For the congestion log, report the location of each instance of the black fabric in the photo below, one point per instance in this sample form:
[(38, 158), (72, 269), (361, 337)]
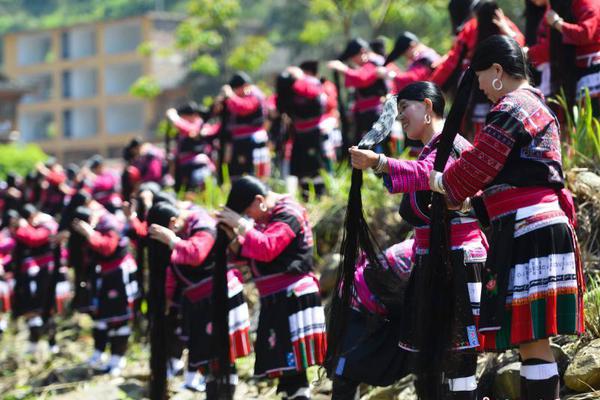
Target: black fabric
[(364, 122), (289, 384), (100, 339), (35, 333), (26, 299), (387, 287), (344, 389), (273, 345), (112, 301), (174, 321), (242, 160), (465, 333), (370, 352), (543, 389), (307, 154), (196, 331), (118, 345)]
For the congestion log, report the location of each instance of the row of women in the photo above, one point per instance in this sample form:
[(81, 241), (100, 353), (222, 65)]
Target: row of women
[(306, 121), (465, 292)]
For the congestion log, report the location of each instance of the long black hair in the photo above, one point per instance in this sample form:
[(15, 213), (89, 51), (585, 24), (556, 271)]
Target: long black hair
[(533, 17), (357, 237), (485, 13), (435, 326), (460, 11), (159, 255), (563, 71)]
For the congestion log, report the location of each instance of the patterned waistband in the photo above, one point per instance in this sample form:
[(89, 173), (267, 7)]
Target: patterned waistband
[(460, 235), (204, 288), (305, 125), (43, 261), (588, 60), (109, 266), (510, 200), (275, 283)]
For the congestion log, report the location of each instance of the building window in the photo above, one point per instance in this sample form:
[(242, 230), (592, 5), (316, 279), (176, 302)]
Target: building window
[(81, 122), (118, 78), (37, 126), (78, 43), (40, 86), (34, 49), (124, 118), (123, 37), (80, 83)]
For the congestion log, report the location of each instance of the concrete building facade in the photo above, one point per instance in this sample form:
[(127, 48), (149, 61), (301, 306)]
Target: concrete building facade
[(80, 78)]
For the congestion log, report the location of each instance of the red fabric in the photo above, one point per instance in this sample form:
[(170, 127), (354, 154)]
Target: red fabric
[(193, 251), (267, 245), (32, 236), (104, 244), (330, 90), (361, 77), (243, 105), (140, 228), (466, 37), (585, 33), (186, 127), (154, 171), (307, 87), (539, 53), (56, 178), (210, 129), (416, 72)]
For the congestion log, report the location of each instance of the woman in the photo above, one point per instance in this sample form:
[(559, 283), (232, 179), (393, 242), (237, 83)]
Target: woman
[(115, 288), (532, 282), (369, 352), (488, 20), (276, 237), (421, 107), (578, 23), (191, 236)]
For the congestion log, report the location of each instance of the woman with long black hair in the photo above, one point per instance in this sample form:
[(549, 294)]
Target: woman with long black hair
[(488, 20), (533, 280), (421, 107), (275, 235), (191, 234)]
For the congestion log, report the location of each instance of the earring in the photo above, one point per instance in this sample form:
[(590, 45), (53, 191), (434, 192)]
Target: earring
[(497, 84), (263, 207), (427, 119)]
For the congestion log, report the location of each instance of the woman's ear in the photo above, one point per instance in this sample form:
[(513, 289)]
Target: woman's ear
[(498, 70), (428, 105)]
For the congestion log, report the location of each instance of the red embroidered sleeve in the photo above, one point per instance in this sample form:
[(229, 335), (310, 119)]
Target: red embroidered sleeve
[(267, 245), (33, 237), (417, 72), (410, 176), (466, 37), (361, 77), (188, 127), (140, 228), (584, 30), (104, 244), (479, 165), (194, 250), (243, 105), (309, 88)]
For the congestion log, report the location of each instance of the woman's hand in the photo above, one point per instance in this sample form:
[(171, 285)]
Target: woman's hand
[(554, 20), (500, 21), (229, 218), (163, 235), (82, 227), (337, 65), (362, 159)]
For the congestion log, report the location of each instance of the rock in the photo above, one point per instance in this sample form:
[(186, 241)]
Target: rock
[(507, 382), (584, 396), (561, 357), (583, 374)]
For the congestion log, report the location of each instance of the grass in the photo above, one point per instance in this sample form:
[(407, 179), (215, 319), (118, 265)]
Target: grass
[(591, 301)]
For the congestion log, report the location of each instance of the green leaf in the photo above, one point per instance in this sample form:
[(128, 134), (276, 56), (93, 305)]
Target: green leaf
[(145, 87), (251, 54), (206, 65), (316, 32)]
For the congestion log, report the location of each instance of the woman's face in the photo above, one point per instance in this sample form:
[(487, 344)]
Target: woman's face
[(486, 79), (254, 209), (411, 114)]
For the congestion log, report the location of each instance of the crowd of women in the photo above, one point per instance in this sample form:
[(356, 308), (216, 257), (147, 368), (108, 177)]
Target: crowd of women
[(493, 262)]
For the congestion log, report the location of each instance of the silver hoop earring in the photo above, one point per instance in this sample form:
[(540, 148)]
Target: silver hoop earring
[(427, 119), (495, 82), (263, 207)]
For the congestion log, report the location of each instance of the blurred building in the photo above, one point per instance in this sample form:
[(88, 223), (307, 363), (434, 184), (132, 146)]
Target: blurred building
[(10, 94), (80, 76)]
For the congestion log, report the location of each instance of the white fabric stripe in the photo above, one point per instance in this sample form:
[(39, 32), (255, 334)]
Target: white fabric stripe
[(465, 384), (234, 288), (524, 228), (529, 211), (307, 322), (35, 322), (542, 274), (539, 372), (122, 331), (239, 318), (474, 292), (100, 325), (302, 392)]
